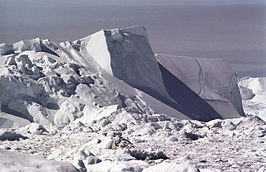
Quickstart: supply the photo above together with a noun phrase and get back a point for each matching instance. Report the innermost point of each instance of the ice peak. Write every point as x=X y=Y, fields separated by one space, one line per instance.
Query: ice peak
x=133 y=30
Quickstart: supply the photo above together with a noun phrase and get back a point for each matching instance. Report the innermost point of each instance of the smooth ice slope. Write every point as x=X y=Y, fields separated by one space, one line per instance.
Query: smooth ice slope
x=212 y=79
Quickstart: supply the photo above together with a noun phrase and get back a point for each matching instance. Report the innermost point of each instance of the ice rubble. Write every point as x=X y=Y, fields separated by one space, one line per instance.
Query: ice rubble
x=15 y=161
x=253 y=92
x=104 y=101
x=130 y=141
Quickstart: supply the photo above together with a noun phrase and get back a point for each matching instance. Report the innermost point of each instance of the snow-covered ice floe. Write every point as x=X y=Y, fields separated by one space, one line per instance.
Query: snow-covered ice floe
x=106 y=102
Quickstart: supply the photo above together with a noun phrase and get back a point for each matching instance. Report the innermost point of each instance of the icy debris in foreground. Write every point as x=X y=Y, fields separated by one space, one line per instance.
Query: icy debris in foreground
x=129 y=141
x=15 y=161
x=103 y=103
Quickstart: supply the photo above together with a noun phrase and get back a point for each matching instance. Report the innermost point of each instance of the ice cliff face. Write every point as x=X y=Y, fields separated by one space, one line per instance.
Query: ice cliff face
x=53 y=84
x=127 y=55
x=212 y=80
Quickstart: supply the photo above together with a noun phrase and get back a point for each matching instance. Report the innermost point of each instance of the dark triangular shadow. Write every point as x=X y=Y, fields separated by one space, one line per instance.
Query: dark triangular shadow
x=187 y=101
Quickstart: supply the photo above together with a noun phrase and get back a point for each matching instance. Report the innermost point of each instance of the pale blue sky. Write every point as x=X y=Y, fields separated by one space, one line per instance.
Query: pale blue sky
x=234 y=30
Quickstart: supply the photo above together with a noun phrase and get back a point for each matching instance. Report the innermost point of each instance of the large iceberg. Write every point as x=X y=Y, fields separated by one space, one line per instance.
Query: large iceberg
x=55 y=83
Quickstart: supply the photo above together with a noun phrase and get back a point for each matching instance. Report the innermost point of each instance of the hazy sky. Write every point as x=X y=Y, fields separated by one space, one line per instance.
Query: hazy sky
x=234 y=30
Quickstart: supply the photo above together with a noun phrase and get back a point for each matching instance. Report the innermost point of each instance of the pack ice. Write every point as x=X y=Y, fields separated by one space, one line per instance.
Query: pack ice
x=106 y=102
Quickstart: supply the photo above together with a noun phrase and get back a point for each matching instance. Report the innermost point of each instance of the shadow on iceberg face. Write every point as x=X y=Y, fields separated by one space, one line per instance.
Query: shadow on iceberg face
x=132 y=60
x=22 y=110
x=187 y=101
x=6 y=109
x=25 y=98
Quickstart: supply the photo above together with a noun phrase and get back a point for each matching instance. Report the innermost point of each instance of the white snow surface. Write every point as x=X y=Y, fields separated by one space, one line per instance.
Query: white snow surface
x=102 y=103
